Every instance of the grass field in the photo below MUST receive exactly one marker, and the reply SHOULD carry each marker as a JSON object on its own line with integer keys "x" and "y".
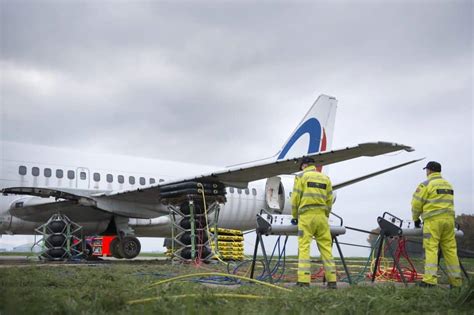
{"x": 111, "y": 287}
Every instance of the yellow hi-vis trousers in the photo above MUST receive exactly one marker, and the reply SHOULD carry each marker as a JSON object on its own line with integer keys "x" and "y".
{"x": 314, "y": 223}
{"x": 438, "y": 231}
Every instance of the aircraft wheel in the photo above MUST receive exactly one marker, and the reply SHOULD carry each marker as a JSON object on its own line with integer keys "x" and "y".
{"x": 130, "y": 247}
{"x": 116, "y": 248}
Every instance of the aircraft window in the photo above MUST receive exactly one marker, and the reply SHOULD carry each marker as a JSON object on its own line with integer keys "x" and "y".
{"x": 131, "y": 180}
{"x": 83, "y": 175}
{"x": 247, "y": 191}
{"x": 152, "y": 181}
{"x": 239, "y": 191}
{"x": 59, "y": 173}
{"x": 161, "y": 180}
{"x": 110, "y": 178}
{"x": 22, "y": 170}
{"x": 120, "y": 179}
{"x": 47, "y": 172}
{"x": 70, "y": 174}
{"x": 142, "y": 181}
{"x": 96, "y": 177}
{"x": 35, "y": 171}
{"x": 231, "y": 190}
{"x": 254, "y": 191}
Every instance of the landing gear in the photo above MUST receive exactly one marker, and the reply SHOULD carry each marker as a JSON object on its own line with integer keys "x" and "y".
{"x": 129, "y": 247}
{"x": 116, "y": 249}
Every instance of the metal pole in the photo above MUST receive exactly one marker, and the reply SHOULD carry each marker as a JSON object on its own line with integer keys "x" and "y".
{"x": 254, "y": 256}
{"x": 266, "y": 262}
{"x": 381, "y": 239}
{"x": 343, "y": 261}
{"x": 193, "y": 230}
{"x": 397, "y": 265}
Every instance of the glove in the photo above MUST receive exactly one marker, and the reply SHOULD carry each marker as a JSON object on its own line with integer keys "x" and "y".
{"x": 417, "y": 224}
{"x": 294, "y": 221}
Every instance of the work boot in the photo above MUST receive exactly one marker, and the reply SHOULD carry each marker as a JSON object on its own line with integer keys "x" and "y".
{"x": 302, "y": 284}
{"x": 332, "y": 285}
{"x": 425, "y": 285}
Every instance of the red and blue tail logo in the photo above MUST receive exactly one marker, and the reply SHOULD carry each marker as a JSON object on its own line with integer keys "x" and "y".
{"x": 316, "y": 142}
{"x": 318, "y": 124}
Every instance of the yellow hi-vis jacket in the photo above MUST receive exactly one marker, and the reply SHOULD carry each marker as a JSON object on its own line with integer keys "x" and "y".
{"x": 312, "y": 191}
{"x": 433, "y": 197}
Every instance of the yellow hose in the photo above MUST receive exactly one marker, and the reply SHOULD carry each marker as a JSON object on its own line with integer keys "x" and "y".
{"x": 209, "y": 274}
{"x": 218, "y": 295}
{"x": 216, "y": 254}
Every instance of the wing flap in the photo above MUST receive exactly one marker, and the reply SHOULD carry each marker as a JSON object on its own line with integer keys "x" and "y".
{"x": 46, "y": 192}
{"x": 74, "y": 211}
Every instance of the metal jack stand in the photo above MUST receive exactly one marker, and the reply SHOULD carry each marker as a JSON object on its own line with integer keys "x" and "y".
{"x": 263, "y": 227}
{"x": 187, "y": 203}
{"x": 189, "y": 231}
{"x": 61, "y": 239}
{"x": 388, "y": 229}
{"x": 278, "y": 224}
{"x": 334, "y": 239}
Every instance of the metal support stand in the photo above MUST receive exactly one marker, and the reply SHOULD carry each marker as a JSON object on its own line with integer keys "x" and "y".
{"x": 61, "y": 239}
{"x": 190, "y": 240}
{"x": 266, "y": 264}
{"x": 187, "y": 203}
{"x": 334, "y": 237}
{"x": 388, "y": 229}
{"x": 346, "y": 270}
{"x": 268, "y": 223}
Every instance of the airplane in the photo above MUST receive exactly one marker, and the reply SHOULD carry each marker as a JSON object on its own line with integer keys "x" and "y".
{"x": 123, "y": 195}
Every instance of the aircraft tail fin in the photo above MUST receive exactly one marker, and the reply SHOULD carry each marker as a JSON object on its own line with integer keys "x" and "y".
{"x": 314, "y": 133}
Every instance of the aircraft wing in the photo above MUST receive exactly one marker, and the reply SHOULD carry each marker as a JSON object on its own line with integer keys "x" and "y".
{"x": 241, "y": 176}
{"x": 145, "y": 202}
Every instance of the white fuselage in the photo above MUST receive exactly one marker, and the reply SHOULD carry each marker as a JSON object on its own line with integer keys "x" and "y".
{"x": 25, "y": 165}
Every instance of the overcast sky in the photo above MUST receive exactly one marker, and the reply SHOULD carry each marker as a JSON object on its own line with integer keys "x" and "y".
{"x": 221, "y": 83}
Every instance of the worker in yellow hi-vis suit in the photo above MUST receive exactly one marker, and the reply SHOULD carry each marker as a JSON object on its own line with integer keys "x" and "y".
{"x": 311, "y": 204}
{"x": 433, "y": 201}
